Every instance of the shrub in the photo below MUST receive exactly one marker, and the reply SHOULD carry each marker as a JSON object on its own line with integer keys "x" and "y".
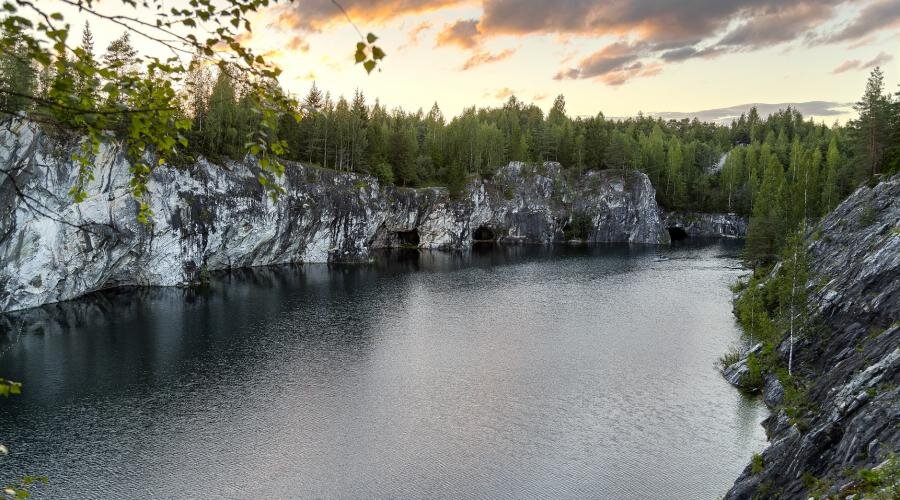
{"x": 753, "y": 380}
{"x": 756, "y": 464}
{"x": 579, "y": 227}
{"x": 881, "y": 482}
{"x": 730, "y": 357}
{"x": 384, "y": 173}
{"x": 867, "y": 217}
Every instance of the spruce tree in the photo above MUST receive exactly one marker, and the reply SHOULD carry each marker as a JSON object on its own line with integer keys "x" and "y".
{"x": 871, "y": 128}
{"x": 18, "y": 78}
{"x": 767, "y": 222}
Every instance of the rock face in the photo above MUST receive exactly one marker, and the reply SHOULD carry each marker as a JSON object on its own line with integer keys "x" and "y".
{"x": 700, "y": 225}
{"x": 851, "y": 363}
{"x": 210, "y": 217}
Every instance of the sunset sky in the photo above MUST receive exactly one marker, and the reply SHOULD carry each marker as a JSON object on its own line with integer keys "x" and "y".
{"x": 619, "y": 57}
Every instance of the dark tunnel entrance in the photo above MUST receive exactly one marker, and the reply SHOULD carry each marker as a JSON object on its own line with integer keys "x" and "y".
{"x": 483, "y": 234}
{"x": 677, "y": 233}
{"x": 408, "y": 238}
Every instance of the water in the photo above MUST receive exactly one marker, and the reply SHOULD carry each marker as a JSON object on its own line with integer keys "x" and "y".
{"x": 508, "y": 373}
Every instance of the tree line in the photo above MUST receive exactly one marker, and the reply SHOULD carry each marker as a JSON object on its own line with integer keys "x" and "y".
{"x": 780, "y": 170}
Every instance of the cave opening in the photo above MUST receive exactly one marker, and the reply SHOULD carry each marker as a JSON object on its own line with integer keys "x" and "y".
{"x": 483, "y": 234}
{"x": 408, "y": 238}
{"x": 677, "y": 233}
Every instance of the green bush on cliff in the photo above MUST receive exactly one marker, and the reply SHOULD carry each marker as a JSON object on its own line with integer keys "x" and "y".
{"x": 756, "y": 464}
{"x": 579, "y": 227}
{"x": 384, "y": 173}
{"x": 880, "y": 482}
{"x": 753, "y": 380}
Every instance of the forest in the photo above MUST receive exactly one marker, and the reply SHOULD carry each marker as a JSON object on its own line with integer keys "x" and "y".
{"x": 780, "y": 169}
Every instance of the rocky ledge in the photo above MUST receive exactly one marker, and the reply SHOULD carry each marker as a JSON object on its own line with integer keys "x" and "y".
{"x": 850, "y": 420}
{"x": 212, "y": 217}
{"x": 705, "y": 225}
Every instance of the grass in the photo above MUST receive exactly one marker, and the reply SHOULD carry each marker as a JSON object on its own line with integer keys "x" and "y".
{"x": 880, "y": 482}
{"x": 730, "y": 357}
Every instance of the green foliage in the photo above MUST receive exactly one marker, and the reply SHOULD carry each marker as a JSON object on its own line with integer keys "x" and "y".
{"x": 579, "y": 227}
{"x": 21, "y": 488}
{"x": 755, "y": 308}
{"x": 456, "y": 180}
{"x": 771, "y": 304}
{"x": 882, "y": 482}
{"x": 754, "y": 378}
{"x": 756, "y": 464}
{"x": 384, "y": 173}
{"x": 817, "y": 488}
{"x": 137, "y": 98}
{"x": 9, "y": 388}
{"x": 872, "y": 129}
{"x": 867, "y": 217}
{"x": 731, "y": 356}
{"x": 205, "y": 276}
{"x": 367, "y": 53}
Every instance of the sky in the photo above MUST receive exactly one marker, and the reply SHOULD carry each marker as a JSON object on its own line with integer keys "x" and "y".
{"x": 706, "y": 58}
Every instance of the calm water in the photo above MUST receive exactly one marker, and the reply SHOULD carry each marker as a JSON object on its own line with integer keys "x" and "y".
{"x": 517, "y": 372}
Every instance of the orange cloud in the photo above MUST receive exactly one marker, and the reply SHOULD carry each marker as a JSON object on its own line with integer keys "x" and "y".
{"x": 501, "y": 94}
{"x": 314, "y": 15}
{"x": 297, "y": 43}
{"x": 463, "y": 33}
{"x": 480, "y": 58}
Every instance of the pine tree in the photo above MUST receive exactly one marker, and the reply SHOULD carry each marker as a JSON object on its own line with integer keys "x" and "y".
{"x": 675, "y": 181}
{"x": 86, "y": 83}
{"x": 616, "y": 154}
{"x": 871, "y": 129}
{"x": 892, "y": 155}
{"x": 359, "y": 118}
{"x": 221, "y": 131}
{"x": 121, "y": 58}
{"x": 17, "y": 76}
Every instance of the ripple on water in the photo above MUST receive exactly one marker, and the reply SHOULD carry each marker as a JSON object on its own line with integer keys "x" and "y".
{"x": 523, "y": 372}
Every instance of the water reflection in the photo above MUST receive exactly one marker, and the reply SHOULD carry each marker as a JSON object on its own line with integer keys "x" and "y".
{"x": 502, "y": 371}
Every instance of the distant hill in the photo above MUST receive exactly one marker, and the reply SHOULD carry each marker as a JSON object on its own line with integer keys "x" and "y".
{"x": 820, "y": 110}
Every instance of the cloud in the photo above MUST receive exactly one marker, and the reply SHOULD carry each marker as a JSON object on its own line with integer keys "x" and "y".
{"x": 614, "y": 64}
{"x": 776, "y": 25}
{"x": 726, "y": 115}
{"x": 658, "y": 32}
{"x": 413, "y": 36}
{"x": 876, "y": 16}
{"x": 665, "y": 24}
{"x": 297, "y": 43}
{"x": 314, "y": 15}
{"x": 847, "y": 66}
{"x": 462, "y": 33}
{"x": 652, "y": 33}
{"x": 502, "y": 94}
{"x": 480, "y": 58}
{"x": 880, "y": 59}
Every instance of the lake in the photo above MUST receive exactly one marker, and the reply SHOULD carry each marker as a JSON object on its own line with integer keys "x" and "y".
{"x": 505, "y": 372}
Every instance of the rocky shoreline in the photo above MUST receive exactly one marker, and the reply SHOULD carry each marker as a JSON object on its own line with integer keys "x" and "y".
{"x": 846, "y": 429}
